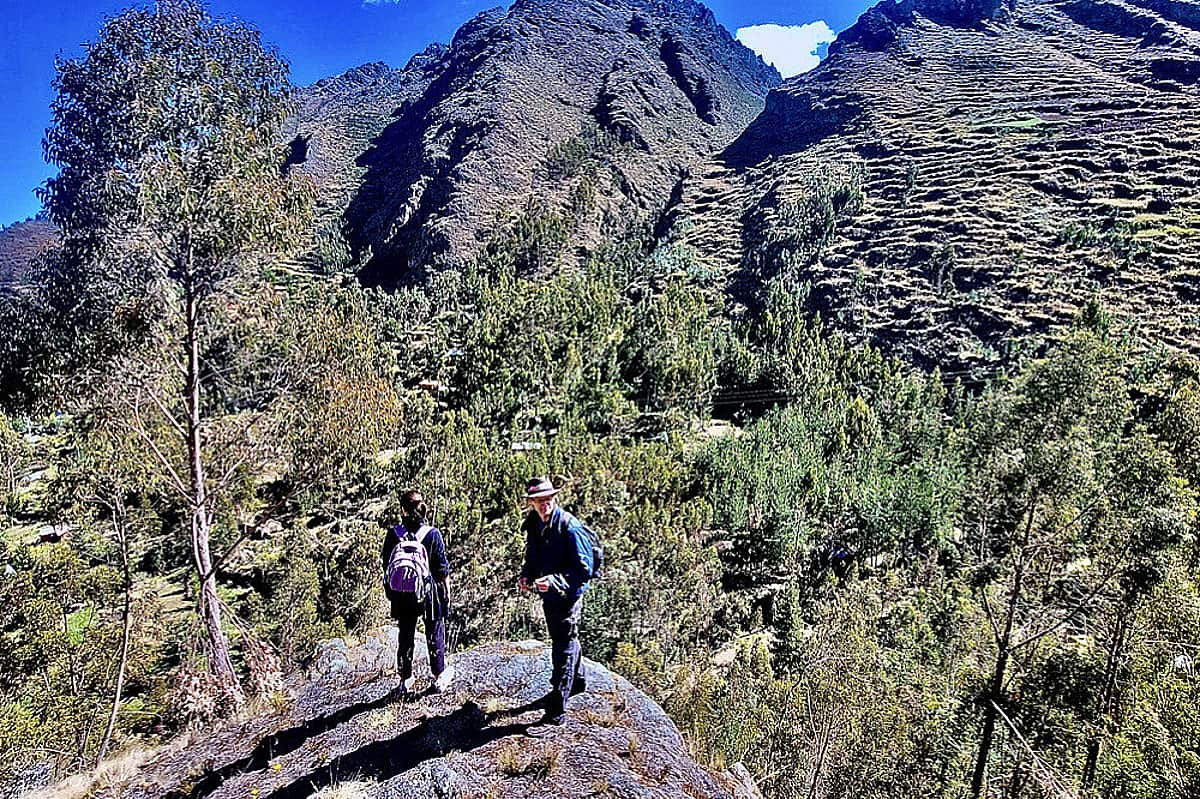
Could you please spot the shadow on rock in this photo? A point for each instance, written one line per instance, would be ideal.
(464, 729)
(279, 744)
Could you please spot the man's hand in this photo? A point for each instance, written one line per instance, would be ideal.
(542, 584)
(523, 584)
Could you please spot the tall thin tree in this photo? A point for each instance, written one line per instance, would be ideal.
(170, 188)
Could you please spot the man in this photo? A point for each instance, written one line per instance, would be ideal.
(558, 564)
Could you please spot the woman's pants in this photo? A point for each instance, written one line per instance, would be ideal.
(406, 614)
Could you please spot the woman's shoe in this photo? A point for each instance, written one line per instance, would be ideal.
(442, 681)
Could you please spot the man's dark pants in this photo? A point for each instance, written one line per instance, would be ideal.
(562, 621)
(406, 614)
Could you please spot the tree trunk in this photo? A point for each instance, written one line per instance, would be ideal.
(995, 692)
(822, 750)
(993, 698)
(1016, 783)
(1104, 704)
(219, 662)
(119, 526)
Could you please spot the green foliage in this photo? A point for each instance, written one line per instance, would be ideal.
(14, 457)
(859, 456)
(58, 638)
(165, 135)
(167, 124)
(599, 345)
(570, 157)
(532, 243)
(1116, 236)
(784, 233)
(1073, 510)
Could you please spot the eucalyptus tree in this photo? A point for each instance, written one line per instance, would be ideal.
(14, 453)
(169, 193)
(1067, 500)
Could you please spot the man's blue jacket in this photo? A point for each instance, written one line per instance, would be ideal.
(560, 550)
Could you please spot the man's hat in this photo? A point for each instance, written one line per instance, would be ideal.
(540, 487)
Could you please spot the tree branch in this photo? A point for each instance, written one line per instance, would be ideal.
(166, 413)
(139, 430)
(1075, 611)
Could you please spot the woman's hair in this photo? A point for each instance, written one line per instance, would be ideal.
(412, 504)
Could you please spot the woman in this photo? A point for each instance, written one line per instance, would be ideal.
(409, 605)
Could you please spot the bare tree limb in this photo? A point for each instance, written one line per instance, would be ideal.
(177, 483)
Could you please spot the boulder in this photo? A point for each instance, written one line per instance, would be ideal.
(348, 730)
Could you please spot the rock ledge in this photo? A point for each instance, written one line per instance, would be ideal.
(346, 728)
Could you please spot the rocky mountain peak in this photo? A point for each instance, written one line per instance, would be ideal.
(592, 105)
(877, 27)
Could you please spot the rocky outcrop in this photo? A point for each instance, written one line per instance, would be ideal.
(599, 104)
(337, 119)
(346, 728)
(1014, 159)
(880, 25)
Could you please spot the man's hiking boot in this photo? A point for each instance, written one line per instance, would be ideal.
(577, 687)
(551, 718)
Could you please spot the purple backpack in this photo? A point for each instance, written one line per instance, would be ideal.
(408, 568)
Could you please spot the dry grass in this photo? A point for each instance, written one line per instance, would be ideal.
(517, 758)
(353, 789)
(111, 775)
(383, 718)
(602, 717)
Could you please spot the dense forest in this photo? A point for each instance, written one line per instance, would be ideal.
(855, 577)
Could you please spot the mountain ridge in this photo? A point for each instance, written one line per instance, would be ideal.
(593, 104)
(1012, 164)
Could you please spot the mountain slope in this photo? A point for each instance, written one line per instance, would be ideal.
(1013, 159)
(595, 105)
(20, 244)
(338, 117)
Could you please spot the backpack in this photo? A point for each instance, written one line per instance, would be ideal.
(597, 552)
(408, 568)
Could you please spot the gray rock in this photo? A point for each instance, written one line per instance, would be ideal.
(331, 659)
(26, 779)
(350, 728)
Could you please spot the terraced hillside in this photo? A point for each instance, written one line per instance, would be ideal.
(20, 245)
(592, 105)
(990, 167)
(338, 117)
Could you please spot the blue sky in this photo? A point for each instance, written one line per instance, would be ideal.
(319, 38)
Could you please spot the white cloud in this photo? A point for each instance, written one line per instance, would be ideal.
(791, 48)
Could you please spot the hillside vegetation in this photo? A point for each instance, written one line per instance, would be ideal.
(852, 575)
(1014, 158)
